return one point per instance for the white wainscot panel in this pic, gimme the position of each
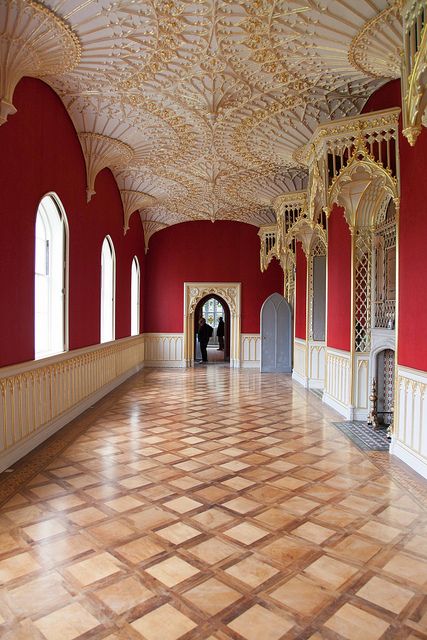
(316, 363)
(37, 398)
(250, 349)
(299, 373)
(337, 387)
(164, 350)
(409, 442)
(361, 378)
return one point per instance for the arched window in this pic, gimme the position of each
(108, 282)
(135, 297)
(50, 304)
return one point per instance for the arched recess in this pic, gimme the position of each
(198, 313)
(276, 335)
(360, 188)
(194, 292)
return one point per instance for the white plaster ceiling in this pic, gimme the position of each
(214, 96)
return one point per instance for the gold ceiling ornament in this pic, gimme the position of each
(150, 228)
(34, 41)
(269, 247)
(132, 201)
(307, 233)
(101, 152)
(221, 88)
(414, 69)
(376, 50)
(360, 187)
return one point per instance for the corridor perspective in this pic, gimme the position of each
(211, 504)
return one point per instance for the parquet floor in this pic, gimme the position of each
(211, 504)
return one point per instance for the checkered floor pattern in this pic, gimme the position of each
(364, 436)
(212, 504)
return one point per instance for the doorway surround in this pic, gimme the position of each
(193, 293)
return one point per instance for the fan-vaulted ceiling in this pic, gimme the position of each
(214, 96)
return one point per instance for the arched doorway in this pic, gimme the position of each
(276, 335)
(211, 317)
(230, 294)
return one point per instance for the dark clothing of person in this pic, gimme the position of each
(220, 329)
(220, 334)
(203, 334)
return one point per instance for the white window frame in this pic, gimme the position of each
(51, 324)
(135, 298)
(108, 292)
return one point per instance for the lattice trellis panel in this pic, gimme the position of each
(384, 295)
(319, 249)
(362, 290)
(290, 286)
(388, 381)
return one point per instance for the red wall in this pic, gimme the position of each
(40, 152)
(300, 293)
(204, 252)
(412, 340)
(412, 326)
(385, 97)
(339, 281)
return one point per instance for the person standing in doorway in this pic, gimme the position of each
(203, 334)
(220, 334)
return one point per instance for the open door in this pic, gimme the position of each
(276, 335)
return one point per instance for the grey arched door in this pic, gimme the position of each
(276, 335)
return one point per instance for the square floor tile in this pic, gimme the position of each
(357, 548)
(330, 572)
(178, 533)
(124, 595)
(185, 483)
(385, 594)
(111, 533)
(252, 571)
(94, 568)
(313, 532)
(241, 505)
(44, 529)
(17, 566)
(379, 531)
(165, 623)
(299, 506)
(40, 594)
(86, 517)
(398, 517)
(286, 551)
(212, 518)
(302, 596)
(125, 503)
(150, 518)
(183, 504)
(355, 624)
(212, 551)
(65, 502)
(258, 622)
(212, 596)
(67, 623)
(140, 550)
(406, 567)
(289, 482)
(246, 533)
(238, 483)
(172, 571)
(275, 518)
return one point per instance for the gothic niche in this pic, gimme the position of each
(385, 386)
(384, 270)
(383, 296)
